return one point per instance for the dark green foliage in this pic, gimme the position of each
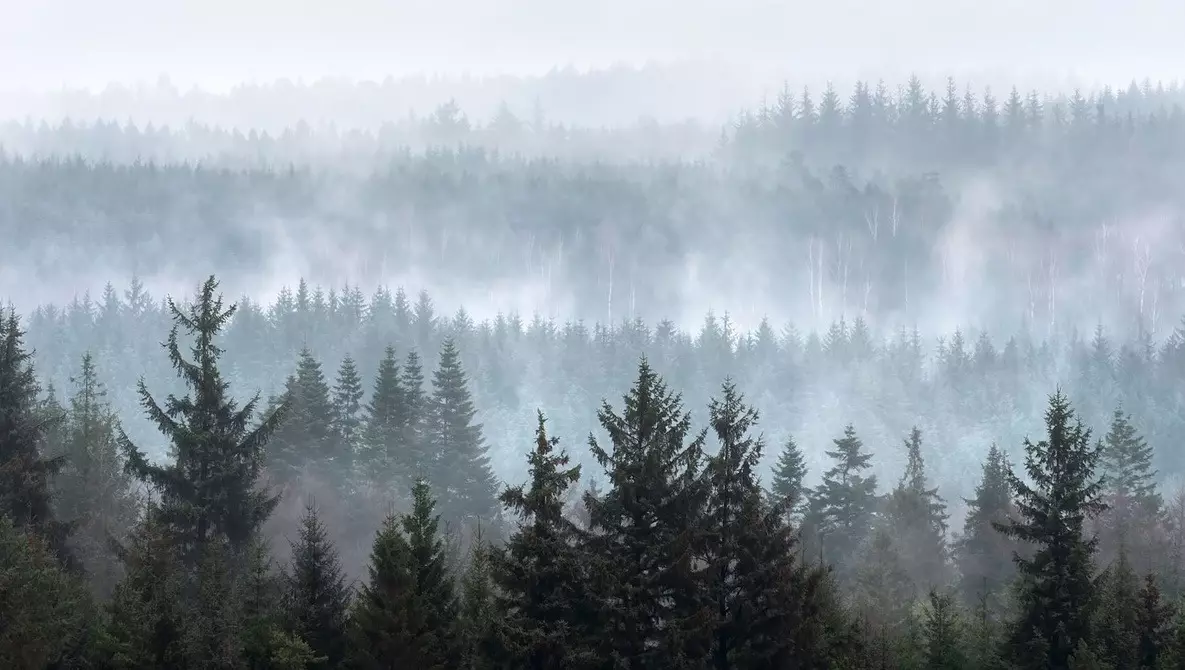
(210, 491)
(93, 489)
(25, 471)
(917, 521)
(538, 574)
(305, 439)
(42, 607)
(884, 591)
(406, 614)
(1056, 594)
(786, 485)
(983, 554)
(1115, 634)
(1154, 621)
(764, 604)
(842, 507)
(944, 634)
(643, 532)
(316, 598)
(386, 460)
(1129, 491)
(347, 416)
(460, 465)
(477, 615)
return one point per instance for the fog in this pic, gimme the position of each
(732, 168)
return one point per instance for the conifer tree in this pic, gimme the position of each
(1056, 590)
(25, 470)
(917, 517)
(477, 605)
(786, 486)
(983, 554)
(416, 417)
(406, 614)
(1154, 621)
(538, 574)
(884, 591)
(943, 634)
(347, 416)
(1115, 635)
(460, 465)
(385, 458)
(210, 491)
(305, 438)
(1129, 490)
(316, 596)
(643, 533)
(763, 602)
(844, 504)
(93, 490)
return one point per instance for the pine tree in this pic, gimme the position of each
(305, 438)
(406, 615)
(1129, 490)
(416, 408)
(385, 458)
(477, 605)
(1055, 594)
(460, 465)
(1115, 636)
(917, 518)
(983, 554)
(786, 486)
(211, 489)
(763, 602)
(643, 535)
(844, 504)
(25, 471)
(347, 416)
(538, 574)
(316, 596)
(884, 591)
(93, 490)
(1154, 621)
(943, 634)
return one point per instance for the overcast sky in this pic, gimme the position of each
(46, 44)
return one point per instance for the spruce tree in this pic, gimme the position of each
(917, 518)
(347, 416)
(884, 592)
(93, 489)
(460, 465)
(763, 602)
(844, 504)
(406, 614)
(305, 438)
(983, 554)
(384, 460)
(1154, 621)
(538, 574)
(1056, 591)
(477, 616)
(1115, 636)
(416, 413)
(644, 532)
(25, 470)
(1133, 504)
(943, 634)
(210, 491)
(786, 486)
(316, 596)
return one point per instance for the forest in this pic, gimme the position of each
(892, 380)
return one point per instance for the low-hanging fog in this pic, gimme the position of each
(850, 242)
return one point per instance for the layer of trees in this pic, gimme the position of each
(677, 543)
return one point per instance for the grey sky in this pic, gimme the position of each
(45, 44)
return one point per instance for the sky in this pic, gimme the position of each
(47, 44)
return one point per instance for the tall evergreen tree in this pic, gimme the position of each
(1115, 636)
(460, 465)
(25, 469)
(210, 490)
(844, 505)
(416, 409)
(763, 602)
(305, 439)
(1056, 590)
(983, 554)
(477, 605)
(385, 459)
(917, 518)
(538, 574)
(1154, 622)
(944, 634)
(347, 416)
(786, 485)
(93, 489)
(1134, 506)
(406, 614)
(643, 535)
(316, 596)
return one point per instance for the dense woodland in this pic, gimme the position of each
(963, 451)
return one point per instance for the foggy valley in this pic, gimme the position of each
(617, 353)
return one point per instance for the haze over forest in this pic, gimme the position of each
(902, 238)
